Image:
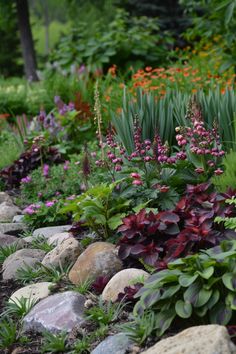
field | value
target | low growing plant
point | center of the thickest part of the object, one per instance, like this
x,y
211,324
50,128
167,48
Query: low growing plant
x,y
54,343
196,289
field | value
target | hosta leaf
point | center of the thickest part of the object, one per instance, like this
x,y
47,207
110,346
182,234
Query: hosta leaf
x,y
164,320
231,300
220,314
191,294
201,311
150,299
170,291
183,309
229,280
213,299
116,221
206,273
203,297
185,280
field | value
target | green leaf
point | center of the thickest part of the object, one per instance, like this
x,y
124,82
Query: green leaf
x,y
231,300
164,320
183,309
115,221
229,280
213,299
229,12
185,280
191,294
203,297
206,273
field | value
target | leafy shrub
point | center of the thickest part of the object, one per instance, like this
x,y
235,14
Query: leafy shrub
x,y
9,143
228,178
194,289
158,238
125,39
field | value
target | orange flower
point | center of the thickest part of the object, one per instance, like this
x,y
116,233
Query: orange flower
x,y
4,115
148,68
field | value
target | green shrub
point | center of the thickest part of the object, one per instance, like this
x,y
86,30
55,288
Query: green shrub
x,y
228,178
197,289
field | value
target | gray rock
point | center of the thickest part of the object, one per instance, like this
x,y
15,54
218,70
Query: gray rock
x,y
4,197
6,240
208,339
58,312
50,231
8,211
18,218
12,228
117,344
65,253
20,259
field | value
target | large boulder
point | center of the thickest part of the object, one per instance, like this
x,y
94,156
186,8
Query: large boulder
x,y
20,259
51,230
100,258
121,280
4,197
8,211
56,313
64,254
32,292
209,339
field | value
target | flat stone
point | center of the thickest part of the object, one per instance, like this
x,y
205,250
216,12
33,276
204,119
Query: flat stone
x,y
18,218
117,344
65,253
20,259
120,281
37,291
99,259
7,240
8,211
209,339
56,313
12,228
51,230
57,239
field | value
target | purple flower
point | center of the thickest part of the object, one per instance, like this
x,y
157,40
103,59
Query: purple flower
x,y
45,170
26,179
66,165
50,203
72,197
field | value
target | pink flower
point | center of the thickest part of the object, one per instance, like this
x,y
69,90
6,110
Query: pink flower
x,y
137,182
199,170
66,165
135,175
164,189
26,179
218,172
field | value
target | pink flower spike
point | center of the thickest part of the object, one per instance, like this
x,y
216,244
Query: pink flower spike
x,y
199,170
49,204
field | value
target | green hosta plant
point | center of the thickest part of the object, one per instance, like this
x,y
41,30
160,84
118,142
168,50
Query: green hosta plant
x,y
198,288
98,209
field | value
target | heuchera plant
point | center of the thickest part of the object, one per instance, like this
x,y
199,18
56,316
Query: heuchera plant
x,y
158,238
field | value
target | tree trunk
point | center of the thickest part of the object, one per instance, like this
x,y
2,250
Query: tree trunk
x,y
26,38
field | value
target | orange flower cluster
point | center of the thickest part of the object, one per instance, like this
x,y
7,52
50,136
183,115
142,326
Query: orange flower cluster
x,y
186,79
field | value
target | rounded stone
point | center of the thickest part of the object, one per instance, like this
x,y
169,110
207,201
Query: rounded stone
x,y
65,253
99,259
8,211
34,292
59,238
120,281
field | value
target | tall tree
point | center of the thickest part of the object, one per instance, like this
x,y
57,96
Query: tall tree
x,y
26,38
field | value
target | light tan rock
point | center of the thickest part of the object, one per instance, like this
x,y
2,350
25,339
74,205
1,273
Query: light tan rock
x,y
209,339
65,253
32,292
58,238
120,281
8,211
4,197
100,258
